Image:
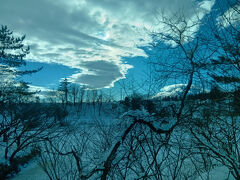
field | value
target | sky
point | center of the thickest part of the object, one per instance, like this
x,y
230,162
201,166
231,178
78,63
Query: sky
x,y
94,43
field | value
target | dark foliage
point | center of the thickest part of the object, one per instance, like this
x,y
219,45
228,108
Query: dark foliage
x,y
137,102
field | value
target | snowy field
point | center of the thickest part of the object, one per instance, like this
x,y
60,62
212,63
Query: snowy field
x,y
89,127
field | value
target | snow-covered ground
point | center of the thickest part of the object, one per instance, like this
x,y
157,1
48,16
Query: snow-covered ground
x,y
86,120
219,173
32,171
90,121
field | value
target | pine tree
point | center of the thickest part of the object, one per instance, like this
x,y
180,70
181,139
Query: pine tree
x,y
64,89
13,94
12,54
12,49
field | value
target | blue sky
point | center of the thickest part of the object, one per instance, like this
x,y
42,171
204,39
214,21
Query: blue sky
x,y
49,75
95,43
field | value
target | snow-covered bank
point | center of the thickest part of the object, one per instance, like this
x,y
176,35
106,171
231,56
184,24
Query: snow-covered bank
x,y
32,171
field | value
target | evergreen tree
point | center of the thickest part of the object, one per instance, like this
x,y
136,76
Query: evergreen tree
x,y
23,122
12,49
12,92
64,90
12,52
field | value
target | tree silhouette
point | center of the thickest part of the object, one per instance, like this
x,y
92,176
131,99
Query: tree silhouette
x,y
9,43
22,122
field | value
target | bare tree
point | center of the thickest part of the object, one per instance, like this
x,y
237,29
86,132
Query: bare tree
x,y
182,144
142,149
217,135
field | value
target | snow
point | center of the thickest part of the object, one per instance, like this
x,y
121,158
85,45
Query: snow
x,y
89,123
138,114
219,173
31,172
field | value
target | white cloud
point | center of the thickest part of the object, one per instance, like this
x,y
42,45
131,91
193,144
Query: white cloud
x,y
187,18
7,74
42,92
230,17
98,73
74,32
171,90
33,88
176,90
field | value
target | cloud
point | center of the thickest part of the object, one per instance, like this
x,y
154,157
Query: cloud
x,y
74,32
171,90
176,90
7,74
42,92
98,74
230,18
33,88
187,19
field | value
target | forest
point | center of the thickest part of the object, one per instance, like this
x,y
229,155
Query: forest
x,y
75,132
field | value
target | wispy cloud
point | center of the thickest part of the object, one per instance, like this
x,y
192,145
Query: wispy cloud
x,y
77,33
230,18
7,74
33,88
98,73
42,92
